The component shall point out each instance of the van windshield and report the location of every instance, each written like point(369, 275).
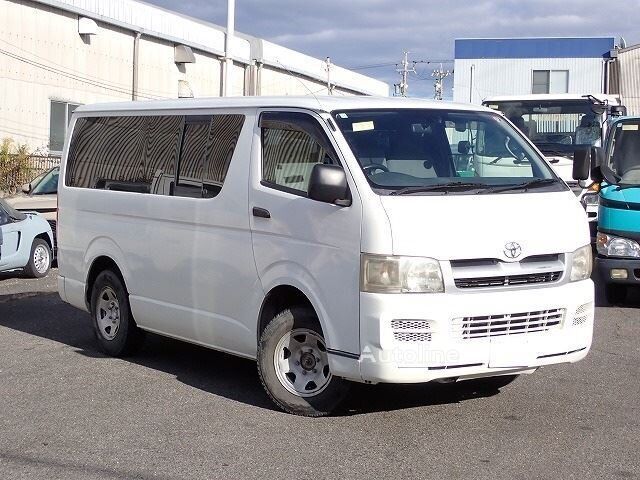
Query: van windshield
point(429, 150)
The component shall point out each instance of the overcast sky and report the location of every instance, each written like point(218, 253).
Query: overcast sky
point(356, 33)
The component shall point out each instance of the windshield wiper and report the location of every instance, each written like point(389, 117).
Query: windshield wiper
point(441, 187)
point(538, 182)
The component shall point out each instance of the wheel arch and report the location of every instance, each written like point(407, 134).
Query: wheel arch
point(280, 298)
point(100, 264)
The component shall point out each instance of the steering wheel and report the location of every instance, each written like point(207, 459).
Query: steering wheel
point(374, 166)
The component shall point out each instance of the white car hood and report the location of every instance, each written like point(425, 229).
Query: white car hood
point(33, 203)
point(450, 227)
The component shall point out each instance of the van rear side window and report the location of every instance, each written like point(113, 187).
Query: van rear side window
point(169, 155)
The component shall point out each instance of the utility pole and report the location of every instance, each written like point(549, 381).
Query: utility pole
point(438, 86)
point(402, 88)
point(227, 65)
point(327, 66)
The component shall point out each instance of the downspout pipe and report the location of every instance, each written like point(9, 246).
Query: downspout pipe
point(136, 55)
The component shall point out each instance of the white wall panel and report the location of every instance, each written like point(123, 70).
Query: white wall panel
point(493, 77)
point(629, 61)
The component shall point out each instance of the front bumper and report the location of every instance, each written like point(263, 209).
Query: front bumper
point(443, 349)
point(604, 265)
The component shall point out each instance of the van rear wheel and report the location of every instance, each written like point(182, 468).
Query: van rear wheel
point(293, 365)
point(114, 327)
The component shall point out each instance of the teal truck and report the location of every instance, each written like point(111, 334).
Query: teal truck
point(617, 167)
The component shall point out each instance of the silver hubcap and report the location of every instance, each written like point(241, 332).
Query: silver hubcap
point(108, 313)
point(301, 362)
point(41, 259)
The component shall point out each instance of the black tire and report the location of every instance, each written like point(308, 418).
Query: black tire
point(127, 338)
point(330, 394)
point(39, 270)
point(616, 294)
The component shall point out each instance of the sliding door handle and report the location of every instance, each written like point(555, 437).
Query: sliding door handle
point(261, 212)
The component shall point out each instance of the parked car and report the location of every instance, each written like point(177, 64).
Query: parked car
point(26, 241)
point(41, 196)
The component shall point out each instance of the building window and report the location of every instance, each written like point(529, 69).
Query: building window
point(59, 119)
point(550, 81)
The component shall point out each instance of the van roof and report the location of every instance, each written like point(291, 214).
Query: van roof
point(317, 103)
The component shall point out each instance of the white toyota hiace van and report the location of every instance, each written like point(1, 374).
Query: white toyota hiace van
point(331, 239)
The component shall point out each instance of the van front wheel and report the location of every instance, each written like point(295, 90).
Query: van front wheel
point(293, 365)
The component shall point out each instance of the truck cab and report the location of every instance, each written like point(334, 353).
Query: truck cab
point(618, 240)
point(558, 124)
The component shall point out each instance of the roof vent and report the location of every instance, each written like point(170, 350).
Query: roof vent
point(183, 54)
point(87, 26)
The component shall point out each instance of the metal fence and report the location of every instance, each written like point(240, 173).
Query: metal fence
point(21, 174)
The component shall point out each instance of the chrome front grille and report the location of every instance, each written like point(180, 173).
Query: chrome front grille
point(508, 280)
point(507, 324)
point(495, 273)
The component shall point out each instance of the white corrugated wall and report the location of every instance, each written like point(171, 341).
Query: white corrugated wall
point(629, 64)
point(513, 76)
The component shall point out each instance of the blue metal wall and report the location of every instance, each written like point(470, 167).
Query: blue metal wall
point(589, 47)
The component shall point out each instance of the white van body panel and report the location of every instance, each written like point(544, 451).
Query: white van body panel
point(452, 227)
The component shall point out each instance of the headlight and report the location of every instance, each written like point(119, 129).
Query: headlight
point(381, 274)
point(590, 200)
point(582, 264)
point(612, 246)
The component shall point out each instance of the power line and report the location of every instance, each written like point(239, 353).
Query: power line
point(79, 73)
point(77, 78)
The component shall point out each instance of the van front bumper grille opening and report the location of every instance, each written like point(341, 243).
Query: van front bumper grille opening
point(507, 324)
point(508, 280)
point(411, 330)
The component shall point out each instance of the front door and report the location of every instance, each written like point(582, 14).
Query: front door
point(311, 245)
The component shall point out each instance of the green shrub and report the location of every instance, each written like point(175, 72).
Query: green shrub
point(14, 165)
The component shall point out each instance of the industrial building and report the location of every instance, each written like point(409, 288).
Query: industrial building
point(58, 54)
point(521, 66)
point(625, 77)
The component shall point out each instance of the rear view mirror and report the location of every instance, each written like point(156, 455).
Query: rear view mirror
point(582, 164)
point(588, 163)
point(328, 183)
point(26, 188)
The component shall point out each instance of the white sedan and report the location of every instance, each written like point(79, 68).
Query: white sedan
point(26, 241)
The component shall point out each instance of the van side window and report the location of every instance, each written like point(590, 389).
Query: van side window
point(292, 144)
point(132, 153)
point(192, 154)
point(161, 152)
point(223, 138)
point(107, 153)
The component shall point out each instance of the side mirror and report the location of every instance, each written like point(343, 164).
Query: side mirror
point(581, 164)
point(328, 183)
point(26, 188)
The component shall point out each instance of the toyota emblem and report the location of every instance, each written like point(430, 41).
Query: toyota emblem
point(512, 250)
